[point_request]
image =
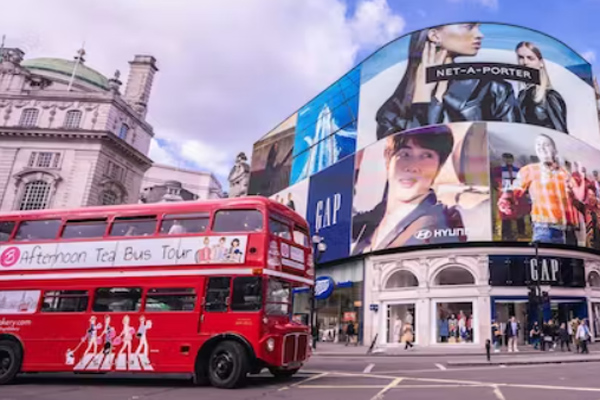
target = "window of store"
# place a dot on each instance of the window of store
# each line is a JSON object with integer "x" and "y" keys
{"x": 454, "y": 276}
{"x": 401, "y": 323}
{"x": 454, "y": 322}
{"x": 401, "y": 279}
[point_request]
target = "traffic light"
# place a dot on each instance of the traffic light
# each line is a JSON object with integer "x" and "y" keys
{"x": 545, "y": 298}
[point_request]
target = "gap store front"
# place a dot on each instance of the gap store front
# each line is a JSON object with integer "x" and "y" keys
{"x": 436, "y": 183}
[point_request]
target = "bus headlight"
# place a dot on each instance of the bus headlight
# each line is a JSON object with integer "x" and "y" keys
{"x": 270, "y": 344}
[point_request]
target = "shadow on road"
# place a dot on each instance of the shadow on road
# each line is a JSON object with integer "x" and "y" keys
{"x": 136, "y": 380}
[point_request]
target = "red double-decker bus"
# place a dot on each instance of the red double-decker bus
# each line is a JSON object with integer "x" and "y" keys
{"x": 193, "y": 287}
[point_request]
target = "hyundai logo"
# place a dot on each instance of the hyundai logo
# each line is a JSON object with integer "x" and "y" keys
{"x": 423, "y": 234}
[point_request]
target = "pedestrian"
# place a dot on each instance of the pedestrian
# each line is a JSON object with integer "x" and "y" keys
{"x": 583, "y": 334}
{"x": 496, "y": 336}
{"x": 534, "y": 335}
{"x": 548, "y": 339}
{"x": 565, "y": 339}
{"x": 350, "y": 333}
{"x": 407, "y": 336}
{"x": 512, "y": 333}
{"x": 575, "y": 323}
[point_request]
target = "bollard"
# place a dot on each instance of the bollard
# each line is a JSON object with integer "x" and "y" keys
{"x": 487, "y": 349}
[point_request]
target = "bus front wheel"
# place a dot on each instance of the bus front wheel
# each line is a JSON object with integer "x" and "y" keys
{"x": 10, "y": 361}
{"x": 283, "y": 373}
{"x": 228, "y": 365}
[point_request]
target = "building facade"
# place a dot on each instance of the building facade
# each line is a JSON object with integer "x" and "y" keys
{"x": 166, "y": 183}
{"x": 69, "y": 136}
{"x": 429, "y": 186}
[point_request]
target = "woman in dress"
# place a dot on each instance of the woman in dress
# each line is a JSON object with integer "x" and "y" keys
{"x": 540, "y": 104}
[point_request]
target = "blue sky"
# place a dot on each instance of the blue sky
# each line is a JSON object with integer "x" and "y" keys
{"x": 230, "y": 71}
{"x": 574, "y": 22}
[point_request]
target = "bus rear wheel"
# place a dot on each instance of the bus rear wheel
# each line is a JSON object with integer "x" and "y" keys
{"x": 10, "y": 361}
{"x": 283, "y": 373}
{"x": 228, "y": 365}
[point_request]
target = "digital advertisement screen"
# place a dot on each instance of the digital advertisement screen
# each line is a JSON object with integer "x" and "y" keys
{"x": 452, "y": 134}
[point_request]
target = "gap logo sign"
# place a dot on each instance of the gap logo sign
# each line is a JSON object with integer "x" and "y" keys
{"x": 329, "y": 209}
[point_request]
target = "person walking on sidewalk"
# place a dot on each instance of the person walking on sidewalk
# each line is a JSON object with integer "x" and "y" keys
{"x": 350, "y": 333}
{"x": 535, "y": 335}
{"x": 512, "y": 333}
{"x": 583, "y": 334}
{"x": 564, "y": 337}
{"x": 407, "y": 336}
{"x": 496, "y": 336}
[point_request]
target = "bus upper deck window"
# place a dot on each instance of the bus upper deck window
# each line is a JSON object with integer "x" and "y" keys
{"x": 238, "y": 221}
{"x": 280, "y": 229}
{"x": 133, "y": 226}
{"x": 38, "y": 230}
{"x": 179, "y": 224}
{"x": 6, "y": 228}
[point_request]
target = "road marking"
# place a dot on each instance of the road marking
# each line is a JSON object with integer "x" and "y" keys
{"x": 498, "y": 393}
{"x": 436, "y": 386}
{"x": 392, "y": 384}
{"x": 440, "y": 366}
{"x": 368, "y": 368}
{"x": 312, "y": 378}
{"x": 341, "y": 387}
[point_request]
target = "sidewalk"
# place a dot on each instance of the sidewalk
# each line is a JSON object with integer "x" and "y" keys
{"x": 325, "y": 349}
{"x": 517, "y": 359}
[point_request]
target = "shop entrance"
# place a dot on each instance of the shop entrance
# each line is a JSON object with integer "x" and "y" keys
{"x": 504, "y": 310}
{"x": 400, "y": 321}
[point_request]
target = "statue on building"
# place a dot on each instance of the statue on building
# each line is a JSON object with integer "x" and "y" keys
{"x": 239, "y": 176}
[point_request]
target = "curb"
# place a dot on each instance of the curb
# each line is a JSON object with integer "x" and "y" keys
{"x": 410, "y": 354}
{"x": 520, "y": 362}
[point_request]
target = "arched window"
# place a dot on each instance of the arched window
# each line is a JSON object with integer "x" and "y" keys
{"x": 454, "y": 276}
{"x": 594, "y": 279}
{"x": 123, "y": 132}
{"x": 72, "y": 119}
{"x": 35, "y": 196}
{"x": 401, "y": 279}
{"x": 109, "y": 198}
{"x": 29, "y": 117}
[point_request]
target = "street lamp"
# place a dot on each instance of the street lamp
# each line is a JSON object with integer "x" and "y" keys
{"x": 319, "y": 247}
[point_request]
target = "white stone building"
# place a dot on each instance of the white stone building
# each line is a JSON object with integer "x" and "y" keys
{"x": 167, "y": 183}
{"x": 68, "y": 137}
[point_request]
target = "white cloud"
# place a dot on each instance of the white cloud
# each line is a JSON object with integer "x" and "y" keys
{"x": 229, "y": 70}
{"x": 589, "y": 55}
{"x": 491, "y": 4}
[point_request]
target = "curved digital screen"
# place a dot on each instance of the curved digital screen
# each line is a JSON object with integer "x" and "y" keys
{"x": 456, "y": 133}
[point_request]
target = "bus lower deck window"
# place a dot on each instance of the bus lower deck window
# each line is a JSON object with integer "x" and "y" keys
{"x": 170, "y": 299}
{"x": 65, "y": 301}
{"x": 117, "y": 299}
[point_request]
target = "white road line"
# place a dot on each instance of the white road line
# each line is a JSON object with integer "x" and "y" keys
{"x": 368, "y": 368}
{"x": 498, "y": 393}
{"x": 392, "y": 384}
{"x": 312, "y": 378}
{"x": 440, "y": 366}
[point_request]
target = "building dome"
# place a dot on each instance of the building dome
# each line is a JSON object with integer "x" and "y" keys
{"x": 65, "y": 67}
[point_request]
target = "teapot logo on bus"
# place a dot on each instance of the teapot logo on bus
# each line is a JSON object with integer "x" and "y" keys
{"x": 10, "y": 257}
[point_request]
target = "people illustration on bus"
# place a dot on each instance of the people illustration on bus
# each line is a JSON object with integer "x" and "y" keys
{"x": 127, "y": 337}
{"x": 109, "y": 335}
{"x": 235, "y": 254}
{"x": 92, "y": 336}
{"x": 142, "y": 334}
{"x": 219, "y": 251}
{"x": 203, "y": 255}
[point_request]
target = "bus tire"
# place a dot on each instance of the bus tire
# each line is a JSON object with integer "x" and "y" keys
{"x": 279, "y": 373}
{"x": 10, "y": 361}
{"x": 228, "y": 365}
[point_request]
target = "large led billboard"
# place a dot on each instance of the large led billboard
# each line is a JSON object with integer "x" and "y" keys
{"x": 452, "y": 134}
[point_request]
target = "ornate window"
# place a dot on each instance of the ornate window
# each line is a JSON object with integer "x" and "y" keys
{"x": 454, "y": 276}
{"x": 401, "y": 279}
{"x": 35, "y": 195}
{"x": 29, "y": 117}
{"x": 123, "y": 131}
{"x": 44, "y": 159}
{"x": 109, "y": 198}
{"x": 115, "y": 171}
{"x": 72, "y": 119}
{"x": 594, "y": 279}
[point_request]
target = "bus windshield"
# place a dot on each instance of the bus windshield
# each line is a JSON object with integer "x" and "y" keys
{"x": 279, "y": 298}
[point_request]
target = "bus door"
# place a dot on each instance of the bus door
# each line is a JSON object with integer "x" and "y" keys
{"x": 217, "y": 294}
